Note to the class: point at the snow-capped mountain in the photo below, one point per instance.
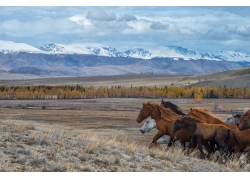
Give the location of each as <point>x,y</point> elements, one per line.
<point>139,53</point>
<point>233,56</point>
<point>7,47</point>
<point>187,54</point>
<point>173,52</point>
<point>53,48</point>
<point>106,51</point>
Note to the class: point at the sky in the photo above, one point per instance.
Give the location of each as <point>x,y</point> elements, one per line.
<point>203,27</point>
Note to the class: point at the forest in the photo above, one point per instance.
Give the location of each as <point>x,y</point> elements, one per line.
<point>81,92</point>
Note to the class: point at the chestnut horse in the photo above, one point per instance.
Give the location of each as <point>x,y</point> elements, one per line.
<point>165,119</point>
<point>201,132</point>
<point>244,121</point>
<point>179,111</point>
<point>209,118</point>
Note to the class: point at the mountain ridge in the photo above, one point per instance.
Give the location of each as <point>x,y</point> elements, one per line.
<point>8,47</point>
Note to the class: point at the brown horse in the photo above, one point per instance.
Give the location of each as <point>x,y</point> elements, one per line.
<point>243,136</point>
<point>179,111</point>
<point>165,119</point>
<point>201,132</point>
<point>244,121</point>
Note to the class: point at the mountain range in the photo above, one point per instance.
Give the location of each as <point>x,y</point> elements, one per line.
<point>83,60</point>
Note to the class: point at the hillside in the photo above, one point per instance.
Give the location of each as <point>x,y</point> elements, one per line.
<point>210,79</point>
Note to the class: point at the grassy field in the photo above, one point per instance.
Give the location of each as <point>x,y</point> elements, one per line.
<point>96,135</point>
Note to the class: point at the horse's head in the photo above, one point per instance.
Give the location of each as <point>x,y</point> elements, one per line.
<point>145,112</point>
<point>237,114</point>
<point>244,121</point>
<point>148,125</point>
<point>192,112</point>
<point>230,120</point>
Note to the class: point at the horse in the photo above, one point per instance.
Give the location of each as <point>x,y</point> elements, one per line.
<point>165,119</point>
<point>234,117</point>
<point>151,124</point>
<point>244,121</point>
<point>179,111</point>
<point>202,132</point>
<point>209,118</point>
<point>173,107</point>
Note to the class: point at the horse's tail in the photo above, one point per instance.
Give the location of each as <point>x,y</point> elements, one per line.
<point>235,137</point>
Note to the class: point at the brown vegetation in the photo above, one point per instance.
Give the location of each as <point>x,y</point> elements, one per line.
<point>79,92</point>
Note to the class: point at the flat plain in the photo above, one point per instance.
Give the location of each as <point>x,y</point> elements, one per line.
<point>100,134</point>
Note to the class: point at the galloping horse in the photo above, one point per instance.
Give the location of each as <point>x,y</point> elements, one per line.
<point>165,119</point>
<point>179,111</point>
<point>243,136</point>
<point>201,132</point>
<point>234,117</point>
<point>244,121</point>
<point>165,139</point>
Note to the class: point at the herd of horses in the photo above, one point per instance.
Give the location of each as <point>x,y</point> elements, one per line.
<point>198,128</point>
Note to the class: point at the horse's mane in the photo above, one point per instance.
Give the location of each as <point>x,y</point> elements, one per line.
<point>193,119</point>
<point>205,111</point>
<point>173,107</point>
<point>163,111</point>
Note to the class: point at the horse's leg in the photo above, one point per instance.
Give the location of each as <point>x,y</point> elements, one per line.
<point>156,137</point>
<point>170,143</point>
<point>208,148</point>
<point>220,140</point>
<point>192,145</point>
<point>183,145</point>
<point>199,142</point>
<point>213,146</point>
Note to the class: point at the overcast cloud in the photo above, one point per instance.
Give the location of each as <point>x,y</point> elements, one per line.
<point>199,28</point>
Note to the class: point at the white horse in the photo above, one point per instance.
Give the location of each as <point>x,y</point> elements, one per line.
<point>151,124</point>
<point>234,117</point>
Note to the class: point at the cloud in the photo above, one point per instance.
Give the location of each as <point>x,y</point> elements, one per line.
<point>159,26</point>
<point>213,35</point>
<point>41,26</point>
<point>100,15</point>
<point>241,30</point>
<point>128,17</point>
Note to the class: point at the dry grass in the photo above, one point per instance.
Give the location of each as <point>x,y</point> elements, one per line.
<point>36,147</point>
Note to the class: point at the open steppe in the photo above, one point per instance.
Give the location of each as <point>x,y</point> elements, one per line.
<point>95,135</point>
<point>228,78</point>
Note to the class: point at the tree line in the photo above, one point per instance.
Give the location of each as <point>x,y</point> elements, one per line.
<point>81,92</point>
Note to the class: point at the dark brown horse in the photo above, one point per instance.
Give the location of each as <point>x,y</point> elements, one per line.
<point>209,118</point>
<point>173,107</point>
<point>165,119</point>
<point>179,111</point>
<point>201,132</point>
<point>244,121</point>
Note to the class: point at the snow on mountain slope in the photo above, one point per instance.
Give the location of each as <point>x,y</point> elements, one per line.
<point>106,51</point>
<point>233,56</point>
<point>52,48</point>
<point>186,54</point>
<point>10,47</point>
<point>138,53</point>
<point>174,52</point>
